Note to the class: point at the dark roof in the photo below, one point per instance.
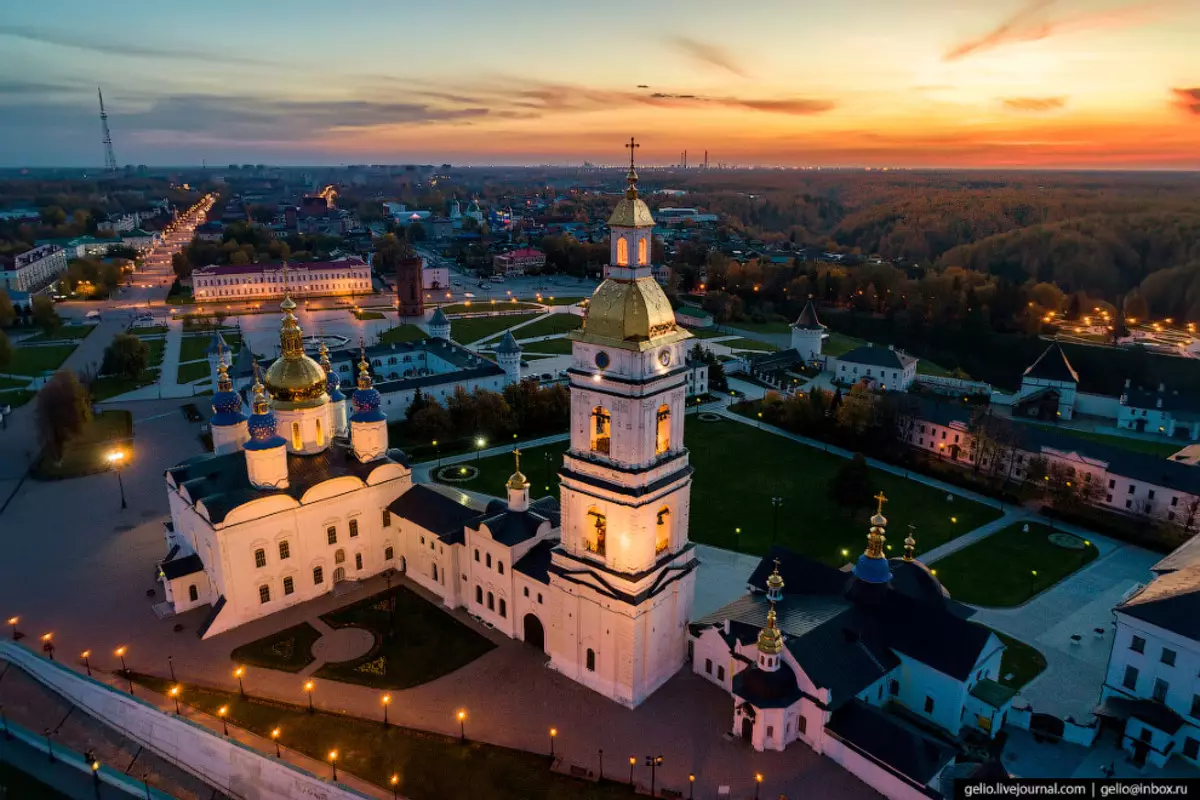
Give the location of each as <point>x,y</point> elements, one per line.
<point>763,689</point>
<point>889,739</point>
<point>940,412</point>
<point>1170,601</point>
<point>873,356</point>
<point>808,318</point>
<point>914,579</point>
<point>536,563</point>
<point>781,359</point>
<point>993,693</point>
<point>510,528</point>
<point>294,266</point>
<point>442,516</point>
<point>1137,397</point>
<point>1052,365</point>
<point>844,656</point>
<point>178,567</point>
<point>222,482</point>
<point>508,344</point>
<point>1151,712</point>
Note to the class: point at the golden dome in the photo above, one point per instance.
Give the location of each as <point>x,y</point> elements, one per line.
<point>775,580</point>
<point>294,378</point>
<point>770,639</point>
<point>631,212</point>
<point>517,481</point>
<point>631,314</point>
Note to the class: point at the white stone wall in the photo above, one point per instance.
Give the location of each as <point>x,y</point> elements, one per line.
<point>224,763</point>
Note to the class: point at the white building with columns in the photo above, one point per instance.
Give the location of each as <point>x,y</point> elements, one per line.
<point>289,506</point>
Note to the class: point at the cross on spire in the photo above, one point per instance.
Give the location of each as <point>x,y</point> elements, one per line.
<point>517,456</point>
<point>881,500</point>
<point>633,145</point>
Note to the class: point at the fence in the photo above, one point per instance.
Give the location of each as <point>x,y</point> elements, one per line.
<point>946,385</point>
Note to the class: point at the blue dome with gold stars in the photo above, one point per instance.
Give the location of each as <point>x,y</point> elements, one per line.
<point>366,398</point>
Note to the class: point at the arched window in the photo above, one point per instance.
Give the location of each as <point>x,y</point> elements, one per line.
<point>503,608</point>
<point>596,533</point>
<point>662,437</point>
<point>491,602</point>
<point>662,531</point>
<point>358,560</point>
<point>643,256</point>
<point>591,660</point>
<point>297,441</point>
<point>479,595</point>
<point>193,595</point>
<point>260,558</point>
<point>622,252</point>
<point>320,434</point>
<point>601,429</point>
<point>388,553</point>
<point>339,556</point>
<point>318,576</point>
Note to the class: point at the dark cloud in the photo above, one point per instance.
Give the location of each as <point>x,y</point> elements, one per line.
<point>710,54</point>
<point>1034,103</point>
<point>16,86</point>
<point>1188,99</point>
<point>560,98</point>
<point>129,49</point>
<point>1031,23</point>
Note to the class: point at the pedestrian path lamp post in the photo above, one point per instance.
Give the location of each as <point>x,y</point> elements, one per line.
<point>308,689</point>
<point>12,623</point>
<point>85,655</point>
<point>120,653</point>
<point>462,725</point>
<point>395,784</point>
<point>653,762</point>
<point>757,784</point>
<point>239,673</point>
<point>387,701</point>
<point>48,645</point>
<point>223,712</point>
<point>691,786</point>
<point>553,736</point>
<point>275,739</point>
<point>632,764</point>
<point>333,761</point>
<point>175,696</point>
<point>117,458</point>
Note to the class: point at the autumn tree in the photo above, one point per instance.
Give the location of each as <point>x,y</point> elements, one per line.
<point>63,408</point>
<point>44,314</point>
<point>126,355</point>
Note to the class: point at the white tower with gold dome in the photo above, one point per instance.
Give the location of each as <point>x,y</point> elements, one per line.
<point>625,570</point>
<point>297,384</point>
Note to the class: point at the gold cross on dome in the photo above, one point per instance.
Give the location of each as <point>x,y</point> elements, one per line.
<point>517,455</point>
<point>633,145</point>
<point>881,500</point>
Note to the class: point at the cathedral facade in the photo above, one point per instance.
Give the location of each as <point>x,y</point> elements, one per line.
<point>303,495</point>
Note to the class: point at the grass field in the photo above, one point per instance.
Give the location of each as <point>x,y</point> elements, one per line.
<point>555,323</point>
<point>1153,448</point>
<point>707,333</point>
<point>154,330</point>
<point>562,301</point>
<point>16,397</point>
<point>929,368</point>
<point>552,347</point>
<point>750,344</point>
<point>402,333</point>
<point>12,383</point>
<point>838,344</point>
<point>36,360</point>
<point>762,327</point>
<point>288,650</point>
<point>465,331</point>
<point>193,371</point>
<point>430,766</point>
<point>426,642</point>
<point>1021,661</point>
<point>112,385</point>
<point>64,332</point>
<point>195,347</point>
<point>999,570</point>
<point>86,453</point>
<point>740,468</point>
<point>365,315</point>
<point>464,308</point>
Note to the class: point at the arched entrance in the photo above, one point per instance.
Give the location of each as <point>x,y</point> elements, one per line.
<point>339,575</point>
<point>535,634</point>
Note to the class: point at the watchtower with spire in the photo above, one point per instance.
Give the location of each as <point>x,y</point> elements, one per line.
<point>808,333</point>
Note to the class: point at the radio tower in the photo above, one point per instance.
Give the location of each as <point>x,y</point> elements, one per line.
<point>110,160</point>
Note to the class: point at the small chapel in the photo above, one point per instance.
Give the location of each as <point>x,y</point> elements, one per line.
<point>303,497</point>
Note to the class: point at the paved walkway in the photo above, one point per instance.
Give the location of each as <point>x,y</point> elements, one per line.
<point>1010,517</point>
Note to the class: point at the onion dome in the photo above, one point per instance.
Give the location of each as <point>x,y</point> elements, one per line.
<point>262,422</point>
<point>295,378</point>
<point>517,481</point>
<point>333,384</point>
<point>770,638</point>
<point>628,311</point>
<point>910,543</point>
<point>872,565</point>
<point>631,210</point>
<point>508,345</point>
<point>366,399</point>
<point>226,403</point>
<point>775,583</point>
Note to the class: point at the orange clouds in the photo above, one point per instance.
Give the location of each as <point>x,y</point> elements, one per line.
<point>1188,99</point>
<point>1034,103</point>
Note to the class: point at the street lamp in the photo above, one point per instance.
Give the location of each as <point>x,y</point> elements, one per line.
<point>653,762</point>
<point>308,689</point>
<point>439,452</point>
<point>757,784</point>
<point>174,693</point>
<point>632,762</point>
<point>691,786</point>
<point>238,673</point>
<point>395,782</point>
<point>776,502</point>
<point>333,761</point>
<point>462,725</point>
<point>48,645</point>
<point>275,739</point>
<point>479,443</point>
<point>223,712</point>
<point>116,458</point>
<point>86,665</point>
<point>12,623</point>
<point>387,700</point>
<point>553,736</point>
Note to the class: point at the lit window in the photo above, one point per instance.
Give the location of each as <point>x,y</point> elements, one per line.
<point>622,252</point>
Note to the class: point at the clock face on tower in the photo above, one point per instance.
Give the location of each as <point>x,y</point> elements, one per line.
<point>602,360</point>
<point>664,358</point>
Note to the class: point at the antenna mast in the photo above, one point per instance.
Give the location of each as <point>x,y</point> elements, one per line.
<point>110,160</point>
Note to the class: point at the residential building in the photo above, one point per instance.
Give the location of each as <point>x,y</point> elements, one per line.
<point>139,239</point>
<point>519,262</point>
<point>697,378</point>
<point>887,368</point>
<point>229,282</point>
<point>1162,412</point>
<point>693,317</point>
<point>674,216</point>
<point>32,270</point>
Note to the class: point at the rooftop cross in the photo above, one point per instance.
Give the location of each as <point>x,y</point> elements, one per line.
<point>881,500</point>
<point>517,456</point>
<point>633,145</point>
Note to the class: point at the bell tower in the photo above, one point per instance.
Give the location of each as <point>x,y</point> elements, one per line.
<point>625,570</point>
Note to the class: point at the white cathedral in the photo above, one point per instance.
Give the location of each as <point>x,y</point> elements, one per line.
<point>304,494</point>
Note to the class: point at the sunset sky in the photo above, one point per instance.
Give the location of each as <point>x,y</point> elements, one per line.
<point>974,83</point>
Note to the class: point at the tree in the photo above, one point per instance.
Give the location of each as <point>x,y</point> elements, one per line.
<point>432,422</point>
<point>180,264</point>
<point>7,313</point>
<point>851,484</point>
<point>126,355</point>
<point>6,350</point>
<point>857,411</point>
<point>63,408</point>
<point>419,402</point>
<point>44,314</point>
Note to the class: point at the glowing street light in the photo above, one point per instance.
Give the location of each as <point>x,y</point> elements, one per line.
<point>333,761</point>
<point>395,784</point>
<point>758,779</point>
<point>223,712</point>
<point>275,738</point>
<point>12,623</point>
<point>116,458</point>
<point>308,689</point>
<point>239,673</point>
<point>387,701</point>
<point>85,655</point>
<point>174,693</point>
<point>553,736</point>
<point>48,645</point>
<point>462,724</point>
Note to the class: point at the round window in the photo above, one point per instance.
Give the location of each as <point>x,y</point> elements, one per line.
<point>602,360</point>
<point>664,358</point>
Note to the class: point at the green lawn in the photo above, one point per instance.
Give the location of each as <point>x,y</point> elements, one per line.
<point>86,453</point>
<point>750,344</point>
<point>998,571</point>
<point>477,306</point>
<point>465,331</point>
<point>1020,660</point>
<point>192,348</point>
<point>929,368</point>
<point>112,385</point>
<point>430,766</point>
<point>402,333</point>
<point>707,333</point>
<point>1154,448</point>
<point>193,371</point>
<point>740,468</point>
<point>64,332</point>
<point>762,327</point>
<point>555,323</point>
<point>562,301</point>
<point>288,650</point>
<point>154,330</point>
<point>838,344</point>
<point>553,347</point>
<point>427,643</point>
<point>36,360</point>
<point>16,397</point>
<point>365,315</point>
<point>12,383</point>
